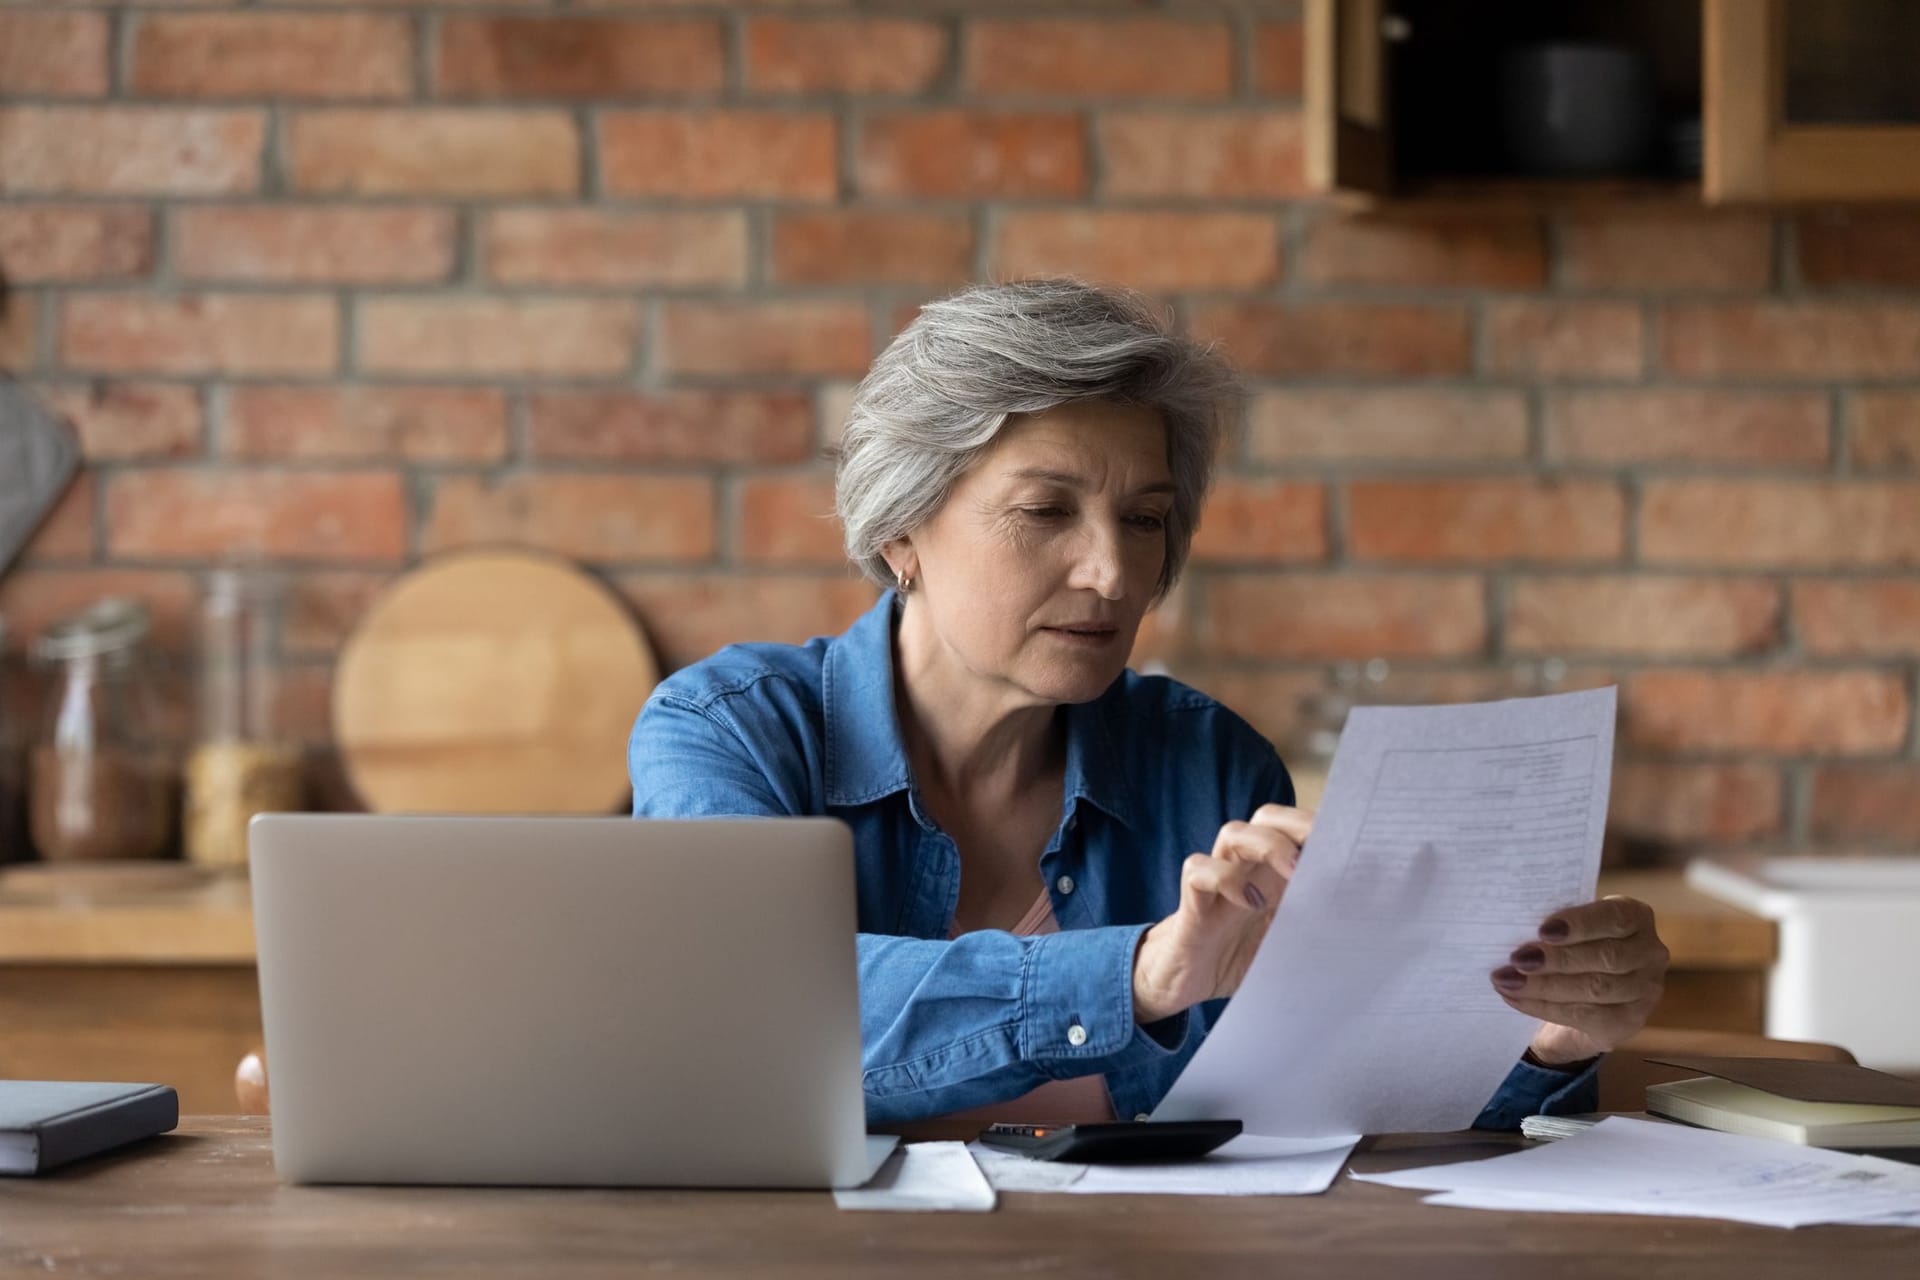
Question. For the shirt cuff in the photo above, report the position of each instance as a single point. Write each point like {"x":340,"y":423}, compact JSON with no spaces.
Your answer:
{"x":1076,"y":1005}
{"x":1541,"y":1091}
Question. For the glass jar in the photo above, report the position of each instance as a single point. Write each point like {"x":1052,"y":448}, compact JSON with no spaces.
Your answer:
{"x":13,"y":761}
{"x":99,"y":786}
{"x":242,"y":763}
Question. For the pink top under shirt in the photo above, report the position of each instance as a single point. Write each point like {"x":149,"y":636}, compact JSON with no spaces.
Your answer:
{"x":1081,"y":1100}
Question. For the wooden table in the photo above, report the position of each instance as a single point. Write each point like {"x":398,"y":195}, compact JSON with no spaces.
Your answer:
{"x":159,"y":984}
{"x":204,"y":1202}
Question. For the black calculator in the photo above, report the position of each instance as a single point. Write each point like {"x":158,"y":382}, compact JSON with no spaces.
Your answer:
{"x":1146,"y":1141}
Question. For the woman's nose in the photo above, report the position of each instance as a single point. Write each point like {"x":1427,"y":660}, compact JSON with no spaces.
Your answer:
{"x":1102,"y":565}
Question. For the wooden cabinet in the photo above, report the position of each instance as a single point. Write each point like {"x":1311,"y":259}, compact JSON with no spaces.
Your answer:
{"x":1757,"y":100}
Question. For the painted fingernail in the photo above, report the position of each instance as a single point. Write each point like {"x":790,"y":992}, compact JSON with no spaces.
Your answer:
{"x":1256,"y":899}
{"x":1528,"y":958}
{"x":1554,"y":930}
{"x":1509,"y":979}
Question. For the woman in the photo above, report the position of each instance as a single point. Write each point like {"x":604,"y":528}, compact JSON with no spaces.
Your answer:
{"x":1024,"y":468}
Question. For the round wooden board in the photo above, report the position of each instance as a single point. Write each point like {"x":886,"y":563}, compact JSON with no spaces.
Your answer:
{"x":492,"y":682}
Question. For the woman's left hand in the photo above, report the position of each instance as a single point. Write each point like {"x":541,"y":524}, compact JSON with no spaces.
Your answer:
{"x":1593,"y":976}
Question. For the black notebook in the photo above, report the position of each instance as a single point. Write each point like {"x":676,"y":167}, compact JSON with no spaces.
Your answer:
{"x":46,"y":1123}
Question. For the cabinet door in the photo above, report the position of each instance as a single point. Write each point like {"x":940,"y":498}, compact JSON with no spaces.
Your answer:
{"x":1812,"y":100}
{"x":1346,"y":107}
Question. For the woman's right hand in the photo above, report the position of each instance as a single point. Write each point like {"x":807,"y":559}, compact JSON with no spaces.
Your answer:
{"x":1227,"y":900}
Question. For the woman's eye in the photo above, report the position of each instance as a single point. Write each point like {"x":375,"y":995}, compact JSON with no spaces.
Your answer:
{"x":1150,"y":523}
{"x":1046,"y":513}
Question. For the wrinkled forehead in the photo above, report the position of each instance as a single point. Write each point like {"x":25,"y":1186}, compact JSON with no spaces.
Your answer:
{"x":1096,"y":445}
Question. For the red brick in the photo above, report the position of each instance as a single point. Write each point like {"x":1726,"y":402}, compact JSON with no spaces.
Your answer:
{"x":1885,"y":434}
{"x":1792,"y":340}
{"x":538,"y":337}
{"x":1858,"y":616}
{"x":595,"y":247}
{"x":790,"y":337}
{"x":688,"y":618}
{"x":1248,"y":521}
{"x":1279,"y":61}
{"x":1779,"y":523}
{"x":864,"y":246}
{"x":57,"y":243}
{"x":1480,"y":252}
{"x":371,"y":424}
{"x":200,"y":333}
{"x":1240,"y":155}
{"x":170,"y":514}
{"x":1131,"y":58}
{"x":1301,"y":617}
{"x":324,"y":606}
{"x":292,"y":55}
{"x":1531,"y":338}
{"x":1388,"y":426}
{"x":1480,"y":520}
{"x":123,"y":421}
{"x":19,"y":331}
{"x":707,"y":155}
{"x":313,"y":245}
{"x":673,"y":426}
{"x":1339,"y":337}
{"x":546,"y":57}
{"x":434,"y":152}
{"x":1870,"y":248}
{"x":66,"y":531}
{"x":1150,"y":251}
{"x":1784,"y":712}
{"x":1271,"y":701}
{"x":1867,"y":802}
{"x":1682,"y":804}
{"x":596,"y":518}
{"x":1755,"y":428}
{"x":842,"y":55}
{"x":959,"y":154}
{"x":1642,"y":615}
{"x":33,"y":599}
{"x":788,"y":520}
{"x":130,"y":151}
{"x":1621,"y":249}
{"x":54,"y":54}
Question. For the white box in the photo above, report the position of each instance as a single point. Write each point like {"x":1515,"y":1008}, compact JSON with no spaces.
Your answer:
{"x":1848,"y":967}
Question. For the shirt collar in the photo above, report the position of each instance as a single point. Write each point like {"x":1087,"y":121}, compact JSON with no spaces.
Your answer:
{"x":867,"y":758}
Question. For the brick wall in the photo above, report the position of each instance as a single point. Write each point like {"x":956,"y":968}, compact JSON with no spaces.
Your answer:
{"x":353,"y":285}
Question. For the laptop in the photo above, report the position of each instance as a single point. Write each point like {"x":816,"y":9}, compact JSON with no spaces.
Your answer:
{"x":561,"y":1001}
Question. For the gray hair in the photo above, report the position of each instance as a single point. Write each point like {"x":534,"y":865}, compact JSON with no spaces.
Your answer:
{"x":941,"y":392}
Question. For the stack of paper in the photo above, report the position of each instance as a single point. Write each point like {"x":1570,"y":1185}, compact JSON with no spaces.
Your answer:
{"x":1246,"y":1166}
{"x":1643,"y":1166}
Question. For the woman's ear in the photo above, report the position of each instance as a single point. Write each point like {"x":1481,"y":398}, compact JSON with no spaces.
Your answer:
{"x":901,"y":558}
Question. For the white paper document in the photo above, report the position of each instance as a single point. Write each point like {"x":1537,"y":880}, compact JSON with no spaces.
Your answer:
{"x":923,"y":1176}
{"x":1246,"y":1166}
{"x":1624,"y":1165}
{"x":1446,"y":835}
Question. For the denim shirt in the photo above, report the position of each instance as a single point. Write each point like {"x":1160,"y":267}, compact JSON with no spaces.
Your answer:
{"x":1153,"y":769}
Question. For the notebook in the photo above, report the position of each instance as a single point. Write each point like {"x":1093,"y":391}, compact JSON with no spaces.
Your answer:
{"x":1739,"y":1108}
{"x":47,"y":1123}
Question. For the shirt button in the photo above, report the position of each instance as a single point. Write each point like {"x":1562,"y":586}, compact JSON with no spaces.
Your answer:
{"x":1064,"y":884}
{"x":1076,"y":1035}
{"x":1142,"y":1118}
{"x":1073,"y":820}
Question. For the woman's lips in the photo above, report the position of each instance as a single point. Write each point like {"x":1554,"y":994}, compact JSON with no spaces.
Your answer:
{"x":1086,"y":638}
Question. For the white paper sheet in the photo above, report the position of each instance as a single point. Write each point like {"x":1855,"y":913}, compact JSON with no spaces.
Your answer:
{"x":1624,"y":1165}
{"x":923,"y":1176}
{"x":1446,"y":835}
{"x":1246,"y":1166}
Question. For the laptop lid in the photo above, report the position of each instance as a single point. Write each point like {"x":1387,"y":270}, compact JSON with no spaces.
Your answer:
{"x":560,"y":1001}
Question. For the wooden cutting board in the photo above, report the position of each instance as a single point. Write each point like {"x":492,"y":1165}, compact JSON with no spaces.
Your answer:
{"x":492,"y":682}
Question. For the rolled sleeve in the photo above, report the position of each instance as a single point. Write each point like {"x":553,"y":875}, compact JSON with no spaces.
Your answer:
{"x":1540,"y":1091}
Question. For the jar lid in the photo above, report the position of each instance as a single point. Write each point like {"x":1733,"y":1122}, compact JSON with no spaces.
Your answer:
{"x":105,"y":626}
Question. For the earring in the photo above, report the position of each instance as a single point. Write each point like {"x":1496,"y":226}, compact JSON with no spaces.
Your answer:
{"x":904,"y":581}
